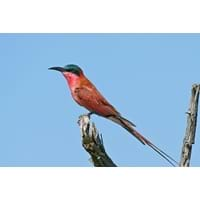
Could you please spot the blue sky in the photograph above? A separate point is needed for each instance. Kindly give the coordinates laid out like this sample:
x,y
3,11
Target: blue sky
x,y
147,77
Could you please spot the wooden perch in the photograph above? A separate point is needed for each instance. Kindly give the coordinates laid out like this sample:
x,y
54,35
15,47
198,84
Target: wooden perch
x,y
93,143
189,139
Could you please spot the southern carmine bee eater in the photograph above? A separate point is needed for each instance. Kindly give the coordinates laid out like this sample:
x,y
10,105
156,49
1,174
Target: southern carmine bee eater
x,y
87,95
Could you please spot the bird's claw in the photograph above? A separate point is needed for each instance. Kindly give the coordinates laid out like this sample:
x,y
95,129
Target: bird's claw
x,y
89,114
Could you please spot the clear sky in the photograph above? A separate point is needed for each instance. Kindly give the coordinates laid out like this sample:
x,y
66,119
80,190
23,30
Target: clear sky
x,y
147,77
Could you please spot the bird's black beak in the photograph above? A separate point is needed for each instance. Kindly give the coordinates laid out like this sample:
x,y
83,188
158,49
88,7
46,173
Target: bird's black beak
x,y
60,69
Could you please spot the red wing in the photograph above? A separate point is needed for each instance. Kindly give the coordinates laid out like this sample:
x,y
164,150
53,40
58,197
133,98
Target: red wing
x,y
91,99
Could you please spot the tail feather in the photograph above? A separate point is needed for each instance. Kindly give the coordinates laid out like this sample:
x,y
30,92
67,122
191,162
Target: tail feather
x,y
129,127
127,121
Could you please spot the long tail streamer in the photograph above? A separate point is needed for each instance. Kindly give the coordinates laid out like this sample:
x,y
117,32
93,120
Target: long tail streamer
x,y
129,127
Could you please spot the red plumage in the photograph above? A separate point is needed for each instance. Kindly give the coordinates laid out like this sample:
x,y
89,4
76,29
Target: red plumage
x,y
87,95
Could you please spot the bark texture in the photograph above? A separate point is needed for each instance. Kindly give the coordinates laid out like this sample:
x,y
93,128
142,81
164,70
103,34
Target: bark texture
x,y
92,142
189,139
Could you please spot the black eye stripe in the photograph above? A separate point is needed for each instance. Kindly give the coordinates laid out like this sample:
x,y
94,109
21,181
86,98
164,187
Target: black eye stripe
x,y
74,71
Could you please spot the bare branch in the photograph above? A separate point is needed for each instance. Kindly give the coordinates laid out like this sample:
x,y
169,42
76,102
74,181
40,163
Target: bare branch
x,y
93,143
189,139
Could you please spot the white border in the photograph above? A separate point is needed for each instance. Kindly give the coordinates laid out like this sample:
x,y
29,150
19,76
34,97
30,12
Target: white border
x,y
100,16
98,183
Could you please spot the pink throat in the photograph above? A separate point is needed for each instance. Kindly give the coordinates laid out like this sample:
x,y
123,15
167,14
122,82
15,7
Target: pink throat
x,y
72,79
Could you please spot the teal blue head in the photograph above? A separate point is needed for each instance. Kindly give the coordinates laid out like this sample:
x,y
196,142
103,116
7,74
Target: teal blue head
x,y
74,69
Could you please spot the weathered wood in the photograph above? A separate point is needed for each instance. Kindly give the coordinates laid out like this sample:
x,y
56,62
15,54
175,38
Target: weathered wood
x,y
189,139
93,143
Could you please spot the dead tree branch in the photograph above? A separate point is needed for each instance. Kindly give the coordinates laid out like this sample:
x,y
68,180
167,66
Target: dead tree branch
x,y
93,143
189,139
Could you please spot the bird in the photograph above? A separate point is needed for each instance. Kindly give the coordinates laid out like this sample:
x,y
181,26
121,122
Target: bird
x,y
87,95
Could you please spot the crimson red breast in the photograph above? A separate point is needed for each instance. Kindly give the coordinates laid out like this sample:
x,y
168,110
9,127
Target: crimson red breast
x,y
88,96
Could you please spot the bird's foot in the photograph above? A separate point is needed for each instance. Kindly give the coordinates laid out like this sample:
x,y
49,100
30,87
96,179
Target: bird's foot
x,y
89,114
